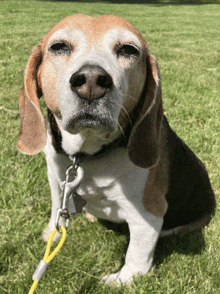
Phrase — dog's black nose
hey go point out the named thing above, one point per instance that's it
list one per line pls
(91, 82)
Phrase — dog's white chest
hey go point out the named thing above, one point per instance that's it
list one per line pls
(112, 186)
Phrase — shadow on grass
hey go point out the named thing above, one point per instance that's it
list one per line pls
(160, 2)
(190, 244)
(118, 228)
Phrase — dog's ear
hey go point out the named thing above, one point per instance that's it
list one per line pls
(143, 145)
(32, 138)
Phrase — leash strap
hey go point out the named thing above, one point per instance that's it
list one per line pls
(72, 203)
(44, 263)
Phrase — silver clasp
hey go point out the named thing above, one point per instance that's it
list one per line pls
(69, 193)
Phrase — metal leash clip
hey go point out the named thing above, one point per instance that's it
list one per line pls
(72, 203)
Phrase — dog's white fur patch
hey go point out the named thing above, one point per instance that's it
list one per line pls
(109, 194)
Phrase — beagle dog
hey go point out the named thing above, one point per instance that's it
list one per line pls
(103, 94)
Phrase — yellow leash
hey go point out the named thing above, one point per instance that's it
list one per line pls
(69, 197)
(43, 265)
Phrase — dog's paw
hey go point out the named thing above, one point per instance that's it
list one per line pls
(47, 232)
(118, 279)
(90, 217)
(124, 276)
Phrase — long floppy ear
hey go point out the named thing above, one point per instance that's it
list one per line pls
(32, 138)
(143, 144)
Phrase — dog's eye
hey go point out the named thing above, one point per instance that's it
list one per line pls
(127, 51)
(60, 47)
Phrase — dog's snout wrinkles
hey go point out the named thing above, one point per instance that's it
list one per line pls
(91, 82)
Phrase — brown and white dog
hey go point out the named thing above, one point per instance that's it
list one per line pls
(102, 90)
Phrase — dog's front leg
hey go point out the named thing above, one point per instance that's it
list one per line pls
(56, 169)
(144, 234)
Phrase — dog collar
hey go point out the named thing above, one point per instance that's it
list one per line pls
(81, 156)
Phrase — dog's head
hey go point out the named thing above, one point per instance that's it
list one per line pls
(95, 73)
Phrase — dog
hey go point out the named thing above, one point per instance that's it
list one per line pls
(102, 89)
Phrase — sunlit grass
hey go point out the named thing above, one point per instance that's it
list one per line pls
(186, 41)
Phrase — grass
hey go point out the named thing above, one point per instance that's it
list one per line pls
(186, 41)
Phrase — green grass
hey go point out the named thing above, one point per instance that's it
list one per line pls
(186, 41)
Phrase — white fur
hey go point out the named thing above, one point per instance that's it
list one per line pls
(113, 188)
(88, 141)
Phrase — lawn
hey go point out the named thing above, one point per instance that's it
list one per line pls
(186, 40)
